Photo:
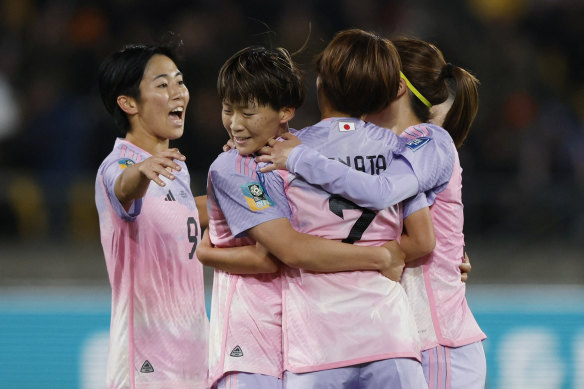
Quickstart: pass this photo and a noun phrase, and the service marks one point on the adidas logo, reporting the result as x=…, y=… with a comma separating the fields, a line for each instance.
x=236, y=352
x=146, y=368
x=169, y=197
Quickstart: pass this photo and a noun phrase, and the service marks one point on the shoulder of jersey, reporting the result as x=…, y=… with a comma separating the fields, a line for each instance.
x=229, y=155
x=438, y=132
x=378, y=132
x=232, y=158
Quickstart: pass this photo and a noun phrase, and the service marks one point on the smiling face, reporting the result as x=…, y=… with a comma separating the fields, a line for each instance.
x=251, y=126
x=157, y=115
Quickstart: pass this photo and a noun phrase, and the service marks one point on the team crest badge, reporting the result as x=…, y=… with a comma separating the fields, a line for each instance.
x=418, y=143
x=125, y=162
x=255, y=196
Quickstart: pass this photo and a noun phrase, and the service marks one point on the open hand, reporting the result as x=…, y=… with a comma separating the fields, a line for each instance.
x=161, y=164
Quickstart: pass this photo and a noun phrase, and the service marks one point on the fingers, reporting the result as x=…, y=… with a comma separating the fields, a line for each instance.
x=268, y=168
x=162, y=164
x=173, y=153
x=464, y=277
x=263, y=158
x=266, y=150
x=288, y=136
x=154, y=175
x=393, y=274
x=465, y=267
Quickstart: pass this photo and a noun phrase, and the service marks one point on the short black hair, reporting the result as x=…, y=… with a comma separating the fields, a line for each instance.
x=268, y=76
x=122, y=71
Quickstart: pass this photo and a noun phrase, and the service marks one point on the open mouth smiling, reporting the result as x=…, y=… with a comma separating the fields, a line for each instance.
x=176, y=114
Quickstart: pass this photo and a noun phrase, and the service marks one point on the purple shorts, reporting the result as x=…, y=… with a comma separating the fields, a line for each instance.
x=462, y=367
x=239, y=380
x=395, y=373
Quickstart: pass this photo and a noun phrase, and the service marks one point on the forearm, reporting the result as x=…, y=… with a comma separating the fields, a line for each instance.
x=201, y=202
x=418, y=238
x=131, y=185
x=237, y=260
x=397, y=183
x=413, y=248
x=317, y=254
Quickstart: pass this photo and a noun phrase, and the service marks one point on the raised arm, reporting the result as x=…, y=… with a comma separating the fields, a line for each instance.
x=414, y=168
x=133, y=183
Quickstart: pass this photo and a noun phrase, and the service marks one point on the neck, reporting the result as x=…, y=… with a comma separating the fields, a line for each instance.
x=333, y=113
x=326, y=109
x=282, y=129
x=398, y=116
x=147, y=142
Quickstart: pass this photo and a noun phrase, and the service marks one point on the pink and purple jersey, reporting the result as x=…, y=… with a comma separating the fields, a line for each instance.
x=340, y=319
x=246, y=310
x=159, y=327
x=433, y=284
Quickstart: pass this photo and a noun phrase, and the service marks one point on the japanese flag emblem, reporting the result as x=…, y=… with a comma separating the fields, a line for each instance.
x=346, y=126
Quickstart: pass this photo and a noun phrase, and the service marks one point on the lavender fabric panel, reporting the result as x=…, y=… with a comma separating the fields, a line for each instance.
x=415, y=203
x=241, y=196
x=110, y=173
x=430, y=155
x=375, y=192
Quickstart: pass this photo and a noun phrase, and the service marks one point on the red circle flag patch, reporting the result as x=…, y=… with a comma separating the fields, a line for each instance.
x=346, y=126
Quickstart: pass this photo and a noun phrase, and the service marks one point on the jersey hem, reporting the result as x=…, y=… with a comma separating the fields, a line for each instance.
x=213, y=381
x=351, y=362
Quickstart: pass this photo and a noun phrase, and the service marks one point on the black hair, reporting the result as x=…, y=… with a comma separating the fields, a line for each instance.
x=122, y=71
x=268, y=76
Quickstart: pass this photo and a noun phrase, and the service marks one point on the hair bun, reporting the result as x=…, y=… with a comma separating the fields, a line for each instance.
x=447, y=70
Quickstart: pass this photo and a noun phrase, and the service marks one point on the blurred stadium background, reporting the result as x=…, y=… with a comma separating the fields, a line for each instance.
x=523, y=163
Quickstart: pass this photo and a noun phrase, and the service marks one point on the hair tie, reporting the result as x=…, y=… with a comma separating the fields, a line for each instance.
x=415, y=91
x=447, y=70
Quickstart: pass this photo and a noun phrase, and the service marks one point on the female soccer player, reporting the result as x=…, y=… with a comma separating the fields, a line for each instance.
x=260, y=90
x=453, y=356
x=150, y=227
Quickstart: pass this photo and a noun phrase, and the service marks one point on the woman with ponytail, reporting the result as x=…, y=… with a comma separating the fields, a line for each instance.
x=452, y=350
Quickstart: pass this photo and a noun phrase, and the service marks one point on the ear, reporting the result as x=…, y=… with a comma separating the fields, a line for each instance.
x=127, y=104
x=286, y=114
x=403, y=87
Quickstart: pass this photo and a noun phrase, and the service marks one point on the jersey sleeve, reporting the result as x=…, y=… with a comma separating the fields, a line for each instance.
x=110, y=174
x=274, y=186
x=431, y=157
x=243, y=200
x=415, y=203
x=375, y=192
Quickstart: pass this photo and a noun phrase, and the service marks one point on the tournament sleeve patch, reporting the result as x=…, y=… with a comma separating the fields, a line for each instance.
x=418, y=143
x=125, y=162
x=255, y=196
